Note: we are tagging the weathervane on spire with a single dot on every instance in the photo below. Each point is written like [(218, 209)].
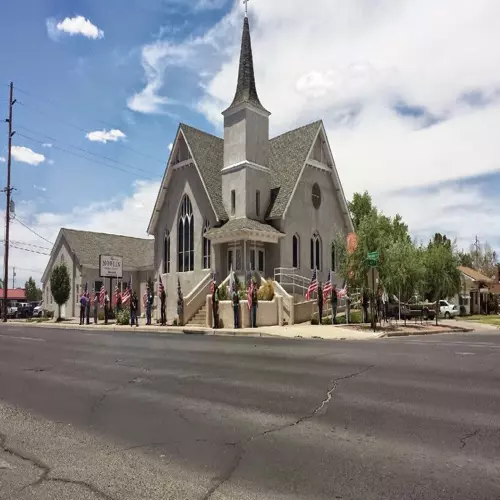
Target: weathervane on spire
[(245, 2)]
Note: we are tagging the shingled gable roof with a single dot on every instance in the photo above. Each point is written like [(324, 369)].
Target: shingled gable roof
[(137, 253), (287, 155)]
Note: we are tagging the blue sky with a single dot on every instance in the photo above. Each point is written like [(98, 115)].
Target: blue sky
[(410, 104)]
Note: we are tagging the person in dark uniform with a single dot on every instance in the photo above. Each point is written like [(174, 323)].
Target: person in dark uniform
[(320, 303), (87, 308), (236, 307), (163, 300), (255, 304), (334, 303), (96, 306), (134, 306), (149, 303), (83, 307), (106, 307), (215, 305)]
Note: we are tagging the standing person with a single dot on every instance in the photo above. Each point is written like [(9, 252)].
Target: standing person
[(134, 305), (236, 307), (96, 306), (334, 303), (87, 308), (83, 307), (320, 303), (106, 307), (255, 304), (163, 300), (215, 305), (149, 302)]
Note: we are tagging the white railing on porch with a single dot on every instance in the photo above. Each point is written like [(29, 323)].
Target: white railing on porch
[(290, 281)]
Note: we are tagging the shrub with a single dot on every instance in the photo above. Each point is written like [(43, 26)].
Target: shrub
[(223, 295), (266, 292), (48, 314), (463, 311), (100, 315), (123, 317)]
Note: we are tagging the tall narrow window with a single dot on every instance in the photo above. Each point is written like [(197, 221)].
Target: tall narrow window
[(207, 247), (185, 236), (233, 202), (334, 258), (166, 253), (295, 252), (261, 261), (257, 203), (252, 260), (316, 257)]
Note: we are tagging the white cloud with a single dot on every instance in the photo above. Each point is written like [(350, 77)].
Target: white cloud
[(46, 145), (2, 159), (40, 188), (170, 146), (27, 155), (105, 136), (77, 25)]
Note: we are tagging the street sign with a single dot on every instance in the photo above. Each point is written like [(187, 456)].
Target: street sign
[(373, 279), (110, 266), (373, 258)]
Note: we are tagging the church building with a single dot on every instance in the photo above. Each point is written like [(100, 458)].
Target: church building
[(246, 201)]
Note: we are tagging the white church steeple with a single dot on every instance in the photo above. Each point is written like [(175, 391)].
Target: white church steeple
[(246, 175)]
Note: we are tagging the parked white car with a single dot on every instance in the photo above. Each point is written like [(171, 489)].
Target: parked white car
[(448, 310), (38, 311)]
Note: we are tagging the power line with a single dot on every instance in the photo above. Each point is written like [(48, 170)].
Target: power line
[(13, 245), (86, 157), (73, 125), (107, 158), (16, 218), (30, 245)]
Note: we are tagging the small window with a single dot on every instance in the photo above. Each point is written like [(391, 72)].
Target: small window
[(316, 196), (207, 247), (229, 260), (252, 260), (233, 202), (166, 253), (97, 286), (261, 261), (316, 257), (62, 257), (257, 203), (295, 252)]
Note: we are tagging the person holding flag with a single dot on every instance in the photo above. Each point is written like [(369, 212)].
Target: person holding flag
[(334, 303), (215, 304), (87, 305), (83, 308), (118, 298), (134, 306), (95, 302), (127, 294), (163, 299), (148, 301), (253, 302), (320, 303), (313, 285)]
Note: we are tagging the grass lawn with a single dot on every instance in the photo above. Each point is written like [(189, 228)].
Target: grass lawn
[(487, 320)]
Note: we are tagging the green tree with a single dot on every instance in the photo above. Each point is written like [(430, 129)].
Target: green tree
[(60, 286), (360, 207), (465, 259), (31, 291), (442, 277), (404, 270)]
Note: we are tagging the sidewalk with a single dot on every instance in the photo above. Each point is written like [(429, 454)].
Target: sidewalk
[(305, 331)]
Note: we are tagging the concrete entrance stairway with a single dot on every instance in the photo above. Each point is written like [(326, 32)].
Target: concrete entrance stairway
[(200, 318)]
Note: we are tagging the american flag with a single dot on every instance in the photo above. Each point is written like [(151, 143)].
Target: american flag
[(313, 286), (127, 293), (145, 297), (92, 297), (343, 292), (212, 284), (161, 288), (328, 286), (250, 290), (102, 293)]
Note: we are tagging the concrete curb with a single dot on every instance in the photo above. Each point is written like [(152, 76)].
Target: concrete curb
[(412, 334)]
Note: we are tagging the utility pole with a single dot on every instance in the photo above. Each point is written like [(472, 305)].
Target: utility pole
[(13, 278), (8, 191)]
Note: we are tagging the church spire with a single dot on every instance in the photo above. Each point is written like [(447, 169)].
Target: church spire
[(246, 91)]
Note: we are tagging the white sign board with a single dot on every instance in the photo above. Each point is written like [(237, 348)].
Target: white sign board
[(110, 266)]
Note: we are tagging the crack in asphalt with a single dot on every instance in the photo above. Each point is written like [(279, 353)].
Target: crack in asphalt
[(46, 470), (472, 434), (107, 392), (241, 446)]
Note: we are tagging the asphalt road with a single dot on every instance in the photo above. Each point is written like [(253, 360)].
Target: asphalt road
[(132, 416)]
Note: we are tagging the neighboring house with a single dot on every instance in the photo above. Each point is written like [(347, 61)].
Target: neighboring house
[(80, 250), (475, 290), (246, 202)]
